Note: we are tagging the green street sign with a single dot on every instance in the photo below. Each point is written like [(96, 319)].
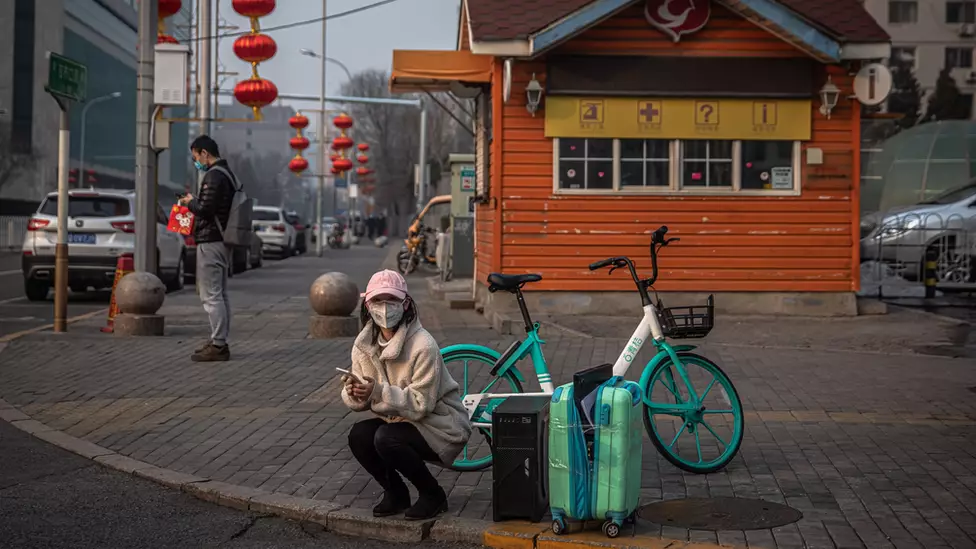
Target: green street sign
[(66, 78)]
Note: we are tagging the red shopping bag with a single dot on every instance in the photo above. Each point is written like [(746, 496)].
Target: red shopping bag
[(180, 220)]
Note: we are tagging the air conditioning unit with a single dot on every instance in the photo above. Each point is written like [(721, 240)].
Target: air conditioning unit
[(967, 31)]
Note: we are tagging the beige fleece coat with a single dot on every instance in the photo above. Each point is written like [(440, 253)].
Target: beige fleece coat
[(412, 382)]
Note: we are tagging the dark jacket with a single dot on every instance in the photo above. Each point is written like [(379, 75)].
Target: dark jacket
[(214, 202)]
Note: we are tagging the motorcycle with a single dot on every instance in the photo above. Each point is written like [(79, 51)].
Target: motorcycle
[(335, 237), (417, 251)]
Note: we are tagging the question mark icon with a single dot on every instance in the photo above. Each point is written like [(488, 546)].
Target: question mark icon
[(707, 110)]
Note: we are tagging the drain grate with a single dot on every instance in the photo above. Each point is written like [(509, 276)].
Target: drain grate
[(720, 514)]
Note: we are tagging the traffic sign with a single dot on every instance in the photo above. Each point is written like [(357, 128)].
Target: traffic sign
[(873, 84), (66, 78)]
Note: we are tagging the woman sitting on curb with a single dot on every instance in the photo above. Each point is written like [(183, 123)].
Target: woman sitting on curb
[(400, 377)]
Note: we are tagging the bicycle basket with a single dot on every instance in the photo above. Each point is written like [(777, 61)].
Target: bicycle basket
[(688, 322)]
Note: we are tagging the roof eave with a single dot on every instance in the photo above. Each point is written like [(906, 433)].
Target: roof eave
[(502, 48), (856, 51)]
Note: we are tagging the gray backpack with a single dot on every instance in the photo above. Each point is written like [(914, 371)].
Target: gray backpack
[(238, 231)]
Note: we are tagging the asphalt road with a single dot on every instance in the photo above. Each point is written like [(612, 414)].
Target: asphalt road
[(54, 499), (18, 314)]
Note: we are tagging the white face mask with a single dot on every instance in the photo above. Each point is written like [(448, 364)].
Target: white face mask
[(386, 314)]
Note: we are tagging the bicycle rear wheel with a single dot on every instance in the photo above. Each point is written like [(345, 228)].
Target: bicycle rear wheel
[(703, 440), (474, 376)]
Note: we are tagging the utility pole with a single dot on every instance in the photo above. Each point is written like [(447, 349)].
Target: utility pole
[(145, 252), (422, 157), (322, 141), (204, 35)]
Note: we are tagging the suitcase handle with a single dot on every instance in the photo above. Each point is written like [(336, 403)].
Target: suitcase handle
[(635, 391)]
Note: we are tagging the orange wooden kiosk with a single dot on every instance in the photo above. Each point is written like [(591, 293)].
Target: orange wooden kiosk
[(730, 121)]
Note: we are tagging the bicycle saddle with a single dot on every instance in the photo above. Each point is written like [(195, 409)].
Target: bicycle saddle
[(500, 281)]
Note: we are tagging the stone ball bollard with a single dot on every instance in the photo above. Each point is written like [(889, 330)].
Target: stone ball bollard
[(335, 299), (139, 296)]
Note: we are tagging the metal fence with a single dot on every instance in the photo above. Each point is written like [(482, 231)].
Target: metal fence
[(12, 230), (903, 252)]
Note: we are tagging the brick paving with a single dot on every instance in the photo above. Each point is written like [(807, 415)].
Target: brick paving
[(875, 449)]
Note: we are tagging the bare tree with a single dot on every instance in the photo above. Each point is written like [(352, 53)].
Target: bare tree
[(393, 136), (12, 162)]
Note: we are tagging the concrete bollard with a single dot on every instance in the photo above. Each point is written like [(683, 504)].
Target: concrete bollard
[(335, 298), (138, 297)]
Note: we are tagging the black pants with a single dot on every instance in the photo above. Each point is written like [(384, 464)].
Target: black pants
[(387, 450)]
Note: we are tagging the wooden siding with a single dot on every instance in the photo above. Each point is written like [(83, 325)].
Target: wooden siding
[(728, 243), (726, 35), (484, 216)]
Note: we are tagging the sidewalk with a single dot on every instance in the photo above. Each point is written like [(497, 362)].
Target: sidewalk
[(874, 449)]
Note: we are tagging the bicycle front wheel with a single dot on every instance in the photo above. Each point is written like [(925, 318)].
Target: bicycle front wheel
[(703, 439), (474, 375)]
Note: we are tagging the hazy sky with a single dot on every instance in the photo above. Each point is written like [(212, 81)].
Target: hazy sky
[(361, 41)]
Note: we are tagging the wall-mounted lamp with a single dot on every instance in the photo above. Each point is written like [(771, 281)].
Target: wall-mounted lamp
[(829, 95), (533, 95)]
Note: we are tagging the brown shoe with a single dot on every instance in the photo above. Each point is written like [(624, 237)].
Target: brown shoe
[(202, 348), (212, 353)]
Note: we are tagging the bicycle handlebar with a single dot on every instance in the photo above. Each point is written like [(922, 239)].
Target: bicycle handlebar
[(658, 241)]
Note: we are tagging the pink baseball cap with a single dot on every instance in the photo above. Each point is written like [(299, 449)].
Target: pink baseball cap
[(386, 282)]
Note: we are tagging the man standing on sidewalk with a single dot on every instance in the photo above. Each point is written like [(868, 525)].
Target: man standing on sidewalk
[(212, 211)]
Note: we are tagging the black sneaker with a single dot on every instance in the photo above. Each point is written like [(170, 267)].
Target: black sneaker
[(428, 506), (391, 505), (212, 353)]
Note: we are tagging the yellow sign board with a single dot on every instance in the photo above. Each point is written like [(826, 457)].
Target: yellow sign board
[(629, 118)]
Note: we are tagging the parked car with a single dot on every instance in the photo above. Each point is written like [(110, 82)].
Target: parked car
[(945, 224), (301, 231), (101, 227), (277, 235), (244, 258)]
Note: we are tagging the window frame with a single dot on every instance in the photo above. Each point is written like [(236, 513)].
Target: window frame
[(674, 186), (962, 10), (892, 3), (957, 52)]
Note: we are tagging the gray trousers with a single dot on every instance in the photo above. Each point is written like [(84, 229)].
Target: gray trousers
[(213, 261)]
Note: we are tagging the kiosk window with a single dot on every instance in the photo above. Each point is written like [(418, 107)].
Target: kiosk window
[(692, 166)]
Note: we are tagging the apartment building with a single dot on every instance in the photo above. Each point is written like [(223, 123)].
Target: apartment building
[(933, 34)]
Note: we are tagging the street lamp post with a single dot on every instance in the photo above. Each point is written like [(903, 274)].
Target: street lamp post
[(84, 115), (315, 54)]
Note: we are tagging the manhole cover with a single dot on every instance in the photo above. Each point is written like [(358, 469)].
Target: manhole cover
[(720, 514)]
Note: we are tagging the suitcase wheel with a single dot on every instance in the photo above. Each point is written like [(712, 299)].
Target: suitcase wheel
[(611, 529), (558, 526)]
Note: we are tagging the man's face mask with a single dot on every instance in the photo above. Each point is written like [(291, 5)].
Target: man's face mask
[(199, 161), (386, 314)]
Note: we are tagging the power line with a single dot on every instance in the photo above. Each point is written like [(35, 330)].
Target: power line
[(296, 23)]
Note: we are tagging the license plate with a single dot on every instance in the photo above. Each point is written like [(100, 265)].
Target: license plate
[(81, 238)]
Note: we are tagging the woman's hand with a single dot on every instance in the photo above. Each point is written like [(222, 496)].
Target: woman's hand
[(361, 391)]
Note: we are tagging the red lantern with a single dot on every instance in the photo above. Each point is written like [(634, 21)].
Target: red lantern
[(298, 165), (256, 93), (363, 170), (255, 48), (299, 143), (336, 171), (169, 8), (299, 121), (343, 121), (342, 164), (363, 147), (341, 143), (362, 159), (253, 9)]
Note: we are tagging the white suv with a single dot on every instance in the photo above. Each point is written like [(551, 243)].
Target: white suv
[(277, 235), (101, 227)]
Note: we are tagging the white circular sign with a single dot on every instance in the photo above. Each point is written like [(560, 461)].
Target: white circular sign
[(872, 85), (571, 173), (764, 176)]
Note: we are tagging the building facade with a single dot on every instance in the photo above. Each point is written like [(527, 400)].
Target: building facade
[(736, 149), (102, 34), (932, 35)]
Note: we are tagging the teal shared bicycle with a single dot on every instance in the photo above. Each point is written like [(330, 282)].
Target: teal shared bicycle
[(690, 431)]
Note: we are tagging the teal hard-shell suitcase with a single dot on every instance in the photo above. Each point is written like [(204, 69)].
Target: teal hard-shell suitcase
[(594, 470)]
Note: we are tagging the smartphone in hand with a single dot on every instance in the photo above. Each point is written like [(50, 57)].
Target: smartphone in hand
[(350, 374)]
